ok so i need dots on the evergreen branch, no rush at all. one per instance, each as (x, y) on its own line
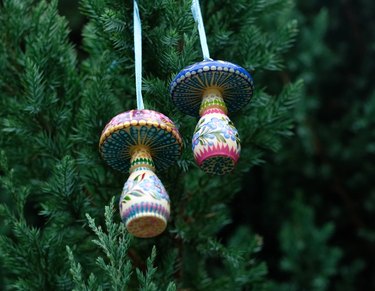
(312, 242)
(272, 118)
(287, 99)
(114, 26)
(66, 200)
(9, 184)
(115, 244)
(171, 287)
(34, 87)
(92, 8)
(76, 271)
(146, 280)
(272, 7)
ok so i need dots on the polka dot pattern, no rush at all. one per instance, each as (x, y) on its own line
(140, 127)
(234, 82)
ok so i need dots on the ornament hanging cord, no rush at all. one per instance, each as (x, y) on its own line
(138, 55)
(197, 14)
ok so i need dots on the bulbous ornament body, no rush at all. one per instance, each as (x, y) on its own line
(140, 142)
(216, 143)
(144, 202)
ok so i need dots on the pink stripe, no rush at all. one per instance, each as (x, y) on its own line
(217, 150)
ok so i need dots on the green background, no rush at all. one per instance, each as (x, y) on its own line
(303, 205)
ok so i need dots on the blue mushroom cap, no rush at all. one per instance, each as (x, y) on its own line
(234, 82)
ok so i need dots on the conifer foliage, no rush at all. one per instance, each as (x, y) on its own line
(60, 224)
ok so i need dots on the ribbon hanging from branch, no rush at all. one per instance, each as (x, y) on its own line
(138, 55)
(197, 14)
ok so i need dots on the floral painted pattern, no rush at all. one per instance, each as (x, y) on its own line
(212, 130)
(142, 185)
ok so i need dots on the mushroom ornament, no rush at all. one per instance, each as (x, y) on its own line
(142, 141)
(212, 89)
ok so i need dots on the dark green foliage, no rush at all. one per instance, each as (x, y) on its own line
(56, 98)
(115, 244)
(307, 256)
(330, 163)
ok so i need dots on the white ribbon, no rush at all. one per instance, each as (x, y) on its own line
(138, 56)
(197, 14)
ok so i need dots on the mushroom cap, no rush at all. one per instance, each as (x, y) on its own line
(152, 129)
(234, 82)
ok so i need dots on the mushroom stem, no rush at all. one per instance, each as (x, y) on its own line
(212, 102)
(140, 159)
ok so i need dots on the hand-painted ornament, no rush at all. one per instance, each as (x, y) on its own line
(212, 89)
(142, 141)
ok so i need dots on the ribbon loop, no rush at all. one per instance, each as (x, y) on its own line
(138, 55)
(197, 14)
